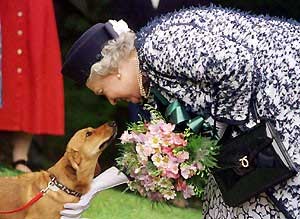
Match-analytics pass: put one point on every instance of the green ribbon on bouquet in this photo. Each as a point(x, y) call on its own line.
point(177, 114)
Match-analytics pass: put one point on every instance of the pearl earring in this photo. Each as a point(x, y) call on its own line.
point(119, 76)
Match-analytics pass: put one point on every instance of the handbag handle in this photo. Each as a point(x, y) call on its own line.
point(226, 135)
point(253, 110)
point(230, 128)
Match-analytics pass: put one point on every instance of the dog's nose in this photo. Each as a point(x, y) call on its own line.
point(112, 124)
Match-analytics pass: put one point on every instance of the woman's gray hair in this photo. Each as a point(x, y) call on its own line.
point(112, 53)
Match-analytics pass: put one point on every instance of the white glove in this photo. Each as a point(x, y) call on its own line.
point(110, 178)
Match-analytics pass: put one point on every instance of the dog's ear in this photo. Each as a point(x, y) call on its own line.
point(74, 158)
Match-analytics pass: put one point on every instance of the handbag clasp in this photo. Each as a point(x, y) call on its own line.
point(244, 161)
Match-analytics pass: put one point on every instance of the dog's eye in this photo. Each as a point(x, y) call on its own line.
point(88, 133)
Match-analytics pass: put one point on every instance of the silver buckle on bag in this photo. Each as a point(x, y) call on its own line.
point(244, 161)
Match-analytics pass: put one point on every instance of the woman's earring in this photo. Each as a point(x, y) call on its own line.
point(100, 92)
point(119, 76)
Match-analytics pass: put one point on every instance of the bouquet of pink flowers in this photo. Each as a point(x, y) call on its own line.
point(164, 163)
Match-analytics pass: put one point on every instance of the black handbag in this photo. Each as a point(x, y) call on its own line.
point(251, 163)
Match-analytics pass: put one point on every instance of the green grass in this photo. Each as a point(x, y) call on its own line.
point(115, 204)
point(4, 171)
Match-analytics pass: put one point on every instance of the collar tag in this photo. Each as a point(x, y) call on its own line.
point(53, 188)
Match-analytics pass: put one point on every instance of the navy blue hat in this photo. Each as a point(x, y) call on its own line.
point(86, 51)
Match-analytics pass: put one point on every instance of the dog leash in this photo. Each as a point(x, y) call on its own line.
point(37, 197)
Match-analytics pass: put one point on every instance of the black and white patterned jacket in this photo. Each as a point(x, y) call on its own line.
point(214, 58)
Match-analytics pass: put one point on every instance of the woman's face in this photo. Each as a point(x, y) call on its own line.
point(115, 88)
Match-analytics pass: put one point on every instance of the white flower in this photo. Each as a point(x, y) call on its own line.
point(143, 151)
point(168, 194)
point(119, 26)
point(157, 160)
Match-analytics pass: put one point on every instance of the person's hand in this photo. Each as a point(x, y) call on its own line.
point(108, 179)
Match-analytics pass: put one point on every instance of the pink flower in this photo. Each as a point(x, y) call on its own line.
point(187, 171)
point(126, 137)
point(182, 156)
point(177, 139)
point(167, 150)
point(170, 174)
point(147, 182)
point(143, 151)
point(161, 128)
point(199, 166)
point(188, 192)
point(154, 129)
point(173, 167)
point(167, 128)
point(171, 170)
point(181, 185)
point(153, 141)
point(178, 157)
point(139, 138)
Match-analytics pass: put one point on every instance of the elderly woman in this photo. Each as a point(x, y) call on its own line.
point(215, 62)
